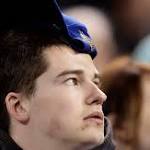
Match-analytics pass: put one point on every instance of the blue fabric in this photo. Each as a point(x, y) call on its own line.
point(74, 33)
point(80, 39)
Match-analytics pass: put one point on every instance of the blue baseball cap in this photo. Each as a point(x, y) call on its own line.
point(46, 14)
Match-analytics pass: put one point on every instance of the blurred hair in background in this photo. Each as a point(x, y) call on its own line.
point(127, 88)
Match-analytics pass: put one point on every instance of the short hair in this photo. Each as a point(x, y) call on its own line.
point(21, 62)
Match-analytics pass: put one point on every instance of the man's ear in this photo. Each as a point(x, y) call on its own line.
point(17, 107)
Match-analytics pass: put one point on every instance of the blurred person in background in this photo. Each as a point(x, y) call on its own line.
point(126, 84)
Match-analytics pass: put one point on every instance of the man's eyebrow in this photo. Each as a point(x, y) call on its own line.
point(77, 72)
point(66, 72)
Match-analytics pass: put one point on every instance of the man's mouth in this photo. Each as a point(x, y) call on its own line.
point(96, 117)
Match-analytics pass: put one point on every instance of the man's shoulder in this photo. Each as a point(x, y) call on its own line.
point(6, 142)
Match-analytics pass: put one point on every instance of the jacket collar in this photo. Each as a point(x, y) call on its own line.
point(7, 143)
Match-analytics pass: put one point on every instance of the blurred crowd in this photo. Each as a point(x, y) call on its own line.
point(121, 32)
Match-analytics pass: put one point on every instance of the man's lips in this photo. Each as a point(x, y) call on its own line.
point(95, 117)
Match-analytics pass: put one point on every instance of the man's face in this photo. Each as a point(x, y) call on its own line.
point(67, 103)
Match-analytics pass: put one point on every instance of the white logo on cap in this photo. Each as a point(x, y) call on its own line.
point(87, 39)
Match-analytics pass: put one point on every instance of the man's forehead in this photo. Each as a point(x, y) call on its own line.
point(65, 58)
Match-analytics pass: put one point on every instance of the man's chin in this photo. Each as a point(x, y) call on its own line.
point(93, 140)
point(96, 135)
point(97, 140)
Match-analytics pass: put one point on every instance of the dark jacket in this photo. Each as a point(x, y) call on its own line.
point(7, 143)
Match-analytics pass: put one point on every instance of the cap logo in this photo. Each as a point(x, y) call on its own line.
point(87, 39)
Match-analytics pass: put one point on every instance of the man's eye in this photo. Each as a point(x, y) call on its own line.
point(72, 81)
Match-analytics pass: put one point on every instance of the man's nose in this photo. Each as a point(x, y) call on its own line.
point(97, 96)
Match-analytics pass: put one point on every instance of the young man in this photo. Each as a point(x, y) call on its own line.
point(49, 87)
